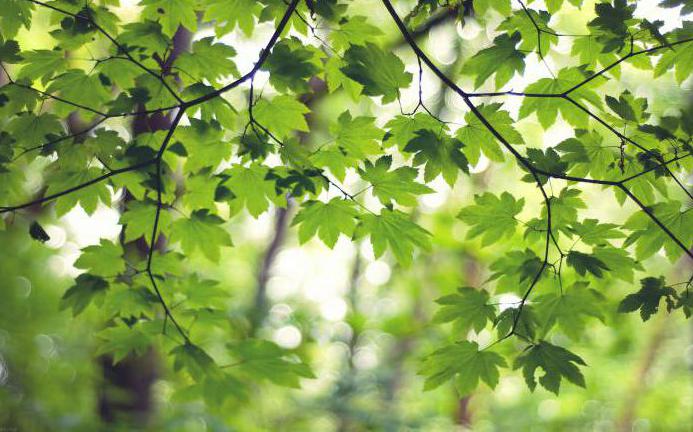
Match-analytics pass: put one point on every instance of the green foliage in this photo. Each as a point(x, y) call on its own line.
point(502, 59)
point(468, 310)
point(465, 364)
point(105, 259)
point(200, 231)
point(647, 300)
point(81, 294)
point(393, 229)
point(439, 154)
point(479, 139)
point(491, 217)
point(379, 72)
point(145, 112)
point(583, 263)
point(393, 185)
point(556, 362)
point(328, 220)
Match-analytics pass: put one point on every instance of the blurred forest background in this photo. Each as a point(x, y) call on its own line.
point(363, 324)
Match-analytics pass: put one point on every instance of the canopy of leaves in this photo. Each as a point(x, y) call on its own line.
point(187, 121)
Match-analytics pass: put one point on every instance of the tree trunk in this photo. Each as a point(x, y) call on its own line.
point(125, 394)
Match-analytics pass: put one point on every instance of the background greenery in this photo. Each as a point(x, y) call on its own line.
point(364, 325)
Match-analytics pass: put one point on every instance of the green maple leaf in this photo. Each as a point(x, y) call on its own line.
point(336, 79)
point(335, 159)
point(547, 108)
point(584, 263)
point(520, 22)
point(76, 86)
point(398, 185)
point(527, 324)
point(354, 31)
point(202, 293)
point(143, 37)
point(589, 51)
point(200, 191)
point(477, 138)
point(207, 60)
point(328, 220)
point(491, 217)
point(282, 115)
point(502, 59)
point(232, 13)
point(251, 188)
point(678, 59)
point(218, 109)
point(139, 220)
point(503, 7)
point(88, 198)
point(564, 209)
point(121, 339)
point(587, 153)
point(468, 309)
point(403, 129)
point(647, 299)
point(548, 161)
point(393, 229)
point(104, 144)
point(556, 362)
point(612, 22)
point(619, 262)
point(359, 137)
point(380, 73)
point(129, 302)
point(15, 99)
point(592, 232)
point(570, 310)
point(171, 14)
point(9, 51)
point(264, 360)
point(440, 154)
point(14, 15)
point(201, 231)
point(30, 130)
point(464, 363)
point(628, 107)
point(105, 259)
point(291, 65)
point(193, 359)
point(41, 64)
point(204, 144)
point(649, 238)
point(86, 289)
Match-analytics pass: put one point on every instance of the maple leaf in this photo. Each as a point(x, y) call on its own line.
point(556, 362)
point(502, 59)
point(464, 363)
point(648, 298)
point(393, 229)
point(328, 220)
point(380, 73)
point(398, 185)
point(491, 217)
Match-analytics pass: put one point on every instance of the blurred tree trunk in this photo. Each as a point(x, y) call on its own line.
point(639, 387)
point(260, 308)
point(346, 385)
point(260, 303)
point(125, 394)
